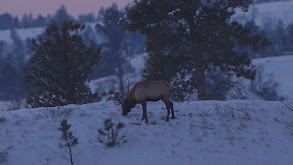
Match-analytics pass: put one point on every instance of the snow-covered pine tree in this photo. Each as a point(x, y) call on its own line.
point(198, 34)
point(60, 66)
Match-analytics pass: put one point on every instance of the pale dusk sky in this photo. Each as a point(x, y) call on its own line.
point(44, 7)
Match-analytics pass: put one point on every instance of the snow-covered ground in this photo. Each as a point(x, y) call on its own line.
point(204, 133)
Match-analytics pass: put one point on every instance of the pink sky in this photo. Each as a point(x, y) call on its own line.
point(45, 7)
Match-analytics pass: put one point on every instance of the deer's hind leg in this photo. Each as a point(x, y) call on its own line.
point(172, 108)
point(144, 113)
point(167, 103)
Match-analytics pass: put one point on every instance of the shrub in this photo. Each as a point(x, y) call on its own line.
point(111, 132)
point(2, 117)
point(3, 157)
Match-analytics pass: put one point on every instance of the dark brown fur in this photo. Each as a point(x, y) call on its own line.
point(148, 91)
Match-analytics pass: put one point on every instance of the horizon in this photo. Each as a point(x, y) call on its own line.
point(17, 8)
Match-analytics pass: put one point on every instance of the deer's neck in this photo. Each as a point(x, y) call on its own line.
point(131, 99)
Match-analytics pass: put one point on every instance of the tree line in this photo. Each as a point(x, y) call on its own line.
point(27, 21)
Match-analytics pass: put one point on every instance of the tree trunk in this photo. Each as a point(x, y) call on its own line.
point(70, 154)
point(201, 86)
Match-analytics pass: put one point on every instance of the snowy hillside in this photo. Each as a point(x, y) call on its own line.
point(29, 33)
point(204, 133)
point(273, 74)
point(278, 70)
point(267, 13)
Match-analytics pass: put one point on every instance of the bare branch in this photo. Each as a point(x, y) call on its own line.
point(128, 86)
point(288, 106)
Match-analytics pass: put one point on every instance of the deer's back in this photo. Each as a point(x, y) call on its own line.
point(152, 90)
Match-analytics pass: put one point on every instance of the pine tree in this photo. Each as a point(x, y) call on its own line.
point(118, 45)
point(60, 66)
point(197, 33)
point(12, 63)
point(290, 38)
point(68, 137)
point(111, 131)
point(62, 15)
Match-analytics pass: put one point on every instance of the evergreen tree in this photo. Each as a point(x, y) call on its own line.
point(88, 35)
point(68, 137)
point(197, 34)
point(39, 21)
point(15, 23)
point(8, 22)
point(60, 66)
point(255, 30)
point(11, 70)
point(279, 38)
point(27, 20)
point(111, 131)
point(62, 15)
point(85, 18)
point(290, 38)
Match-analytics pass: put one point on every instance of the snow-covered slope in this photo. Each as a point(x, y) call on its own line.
point(267, 13)
point(204, 133)
point(22, 33)
point(279, 70)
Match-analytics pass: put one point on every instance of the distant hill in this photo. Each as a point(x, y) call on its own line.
point(27, 33)
point(263, 13)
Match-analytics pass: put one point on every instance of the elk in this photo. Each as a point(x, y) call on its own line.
point(148, 91)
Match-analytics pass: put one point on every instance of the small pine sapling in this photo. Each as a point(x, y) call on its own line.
point(111, 131)
point(68, 137)
point(2, 117)
point(3, 157)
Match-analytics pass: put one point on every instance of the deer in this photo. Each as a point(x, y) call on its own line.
point(145, 91)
